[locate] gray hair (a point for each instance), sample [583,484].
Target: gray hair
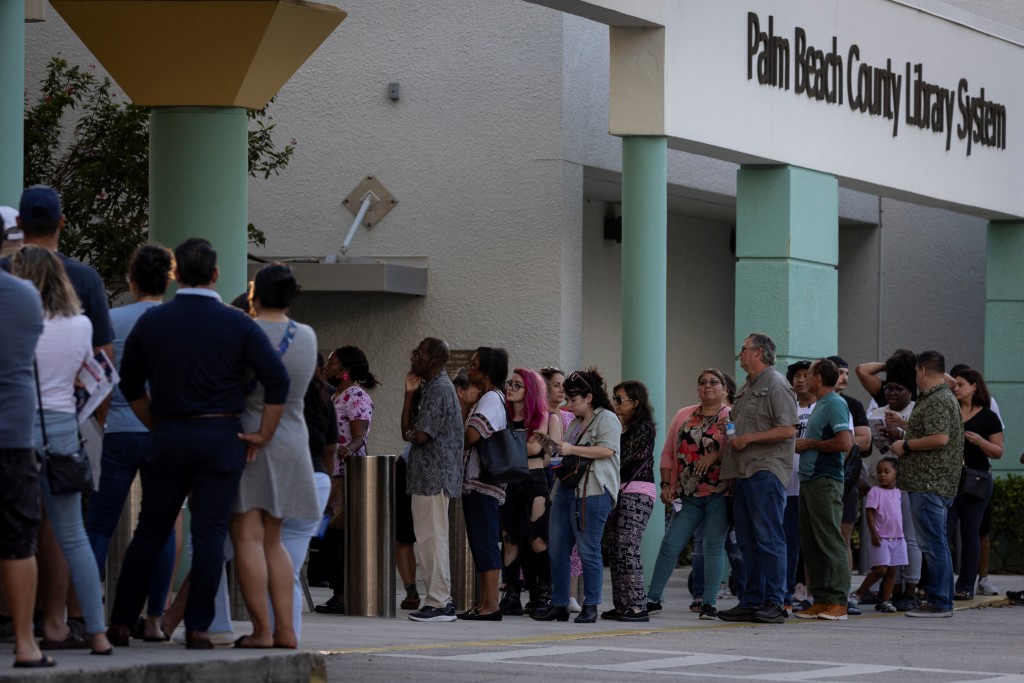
[760,340]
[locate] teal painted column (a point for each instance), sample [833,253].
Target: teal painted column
[12,101]
[199,184]
[644,283]
[787,249]
[1004,330]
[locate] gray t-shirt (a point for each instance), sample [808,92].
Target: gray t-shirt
[437,465]
[22,312]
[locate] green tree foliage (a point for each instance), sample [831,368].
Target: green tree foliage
[1007,534]
[94,150]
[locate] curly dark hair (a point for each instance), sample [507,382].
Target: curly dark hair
[589,381]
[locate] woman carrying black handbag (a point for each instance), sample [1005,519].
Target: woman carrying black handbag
[66,343]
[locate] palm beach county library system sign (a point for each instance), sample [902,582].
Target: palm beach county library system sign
[910,99]
[871,88]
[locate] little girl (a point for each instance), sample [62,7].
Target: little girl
[888,549]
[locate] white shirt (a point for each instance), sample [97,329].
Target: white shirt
[64,345]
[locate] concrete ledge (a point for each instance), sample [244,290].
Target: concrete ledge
[167,663]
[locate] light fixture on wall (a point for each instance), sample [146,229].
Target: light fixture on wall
[370,201]
[613,223]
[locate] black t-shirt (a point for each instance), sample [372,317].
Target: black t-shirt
[986,423]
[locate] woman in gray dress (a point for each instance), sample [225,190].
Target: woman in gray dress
[279,482]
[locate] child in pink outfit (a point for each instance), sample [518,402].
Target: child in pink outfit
[888,549]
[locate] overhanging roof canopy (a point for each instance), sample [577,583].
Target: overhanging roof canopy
[230,53]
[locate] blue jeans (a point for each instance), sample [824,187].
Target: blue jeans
[706,510]
[296,535]
[732,554]
[758,511]
[930,511]
[123,455]
[565,532]
[65,513]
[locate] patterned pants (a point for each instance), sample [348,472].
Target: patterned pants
[624,535]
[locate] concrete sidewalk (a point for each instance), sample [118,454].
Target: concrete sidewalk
[323,635]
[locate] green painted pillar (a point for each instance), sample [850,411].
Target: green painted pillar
[787,249]
[1004,329]
[12,101]
[199,184]
[644,282]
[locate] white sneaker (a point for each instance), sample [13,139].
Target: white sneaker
[574,606]
[723,592]
[985,587]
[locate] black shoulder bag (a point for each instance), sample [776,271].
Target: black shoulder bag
[503,456]
[65,472]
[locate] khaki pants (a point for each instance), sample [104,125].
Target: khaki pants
[430,521]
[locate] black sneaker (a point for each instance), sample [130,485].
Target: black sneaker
[511,605]
[334,605]
[428,613]
[655,607]
[708,612]
[1015,597]
[738,613]
[612,614]
[634,615]
[770,614]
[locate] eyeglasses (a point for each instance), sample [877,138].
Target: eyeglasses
[513,385]
[617,400]
[709,383]
[744,348]
[894,388]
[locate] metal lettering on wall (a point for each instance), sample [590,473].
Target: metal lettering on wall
[872,89]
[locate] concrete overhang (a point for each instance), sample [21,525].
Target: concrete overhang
[391,275]
[217,53]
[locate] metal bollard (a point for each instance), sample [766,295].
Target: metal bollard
[463,571]
[370,536]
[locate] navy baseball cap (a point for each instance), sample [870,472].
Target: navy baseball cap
[40,206]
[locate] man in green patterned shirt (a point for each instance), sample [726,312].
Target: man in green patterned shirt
[931,458]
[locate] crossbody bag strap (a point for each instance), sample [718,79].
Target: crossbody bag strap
[39,397]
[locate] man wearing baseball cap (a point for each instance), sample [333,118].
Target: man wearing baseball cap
[41,221]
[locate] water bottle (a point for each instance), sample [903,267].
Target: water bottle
[730,429]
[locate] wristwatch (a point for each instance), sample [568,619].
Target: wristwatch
[665,484]
[906,445]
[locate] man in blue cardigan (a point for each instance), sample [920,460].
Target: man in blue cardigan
[196,355]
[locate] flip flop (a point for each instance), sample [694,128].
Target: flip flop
[108,651]
[72,642]
[238,644]
[40,663]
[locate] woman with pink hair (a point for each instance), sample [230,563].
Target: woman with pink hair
[524,517]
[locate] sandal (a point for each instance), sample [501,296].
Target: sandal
[963,595]
[42,662]
[696,605]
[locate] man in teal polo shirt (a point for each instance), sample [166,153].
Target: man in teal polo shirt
[829,436]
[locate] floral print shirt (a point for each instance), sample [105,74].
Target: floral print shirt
[352,404]
[693,436]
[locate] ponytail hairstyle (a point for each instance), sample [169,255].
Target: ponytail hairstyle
[354,360]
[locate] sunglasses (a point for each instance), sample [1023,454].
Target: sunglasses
[577,378]
[709,383]
[617,400]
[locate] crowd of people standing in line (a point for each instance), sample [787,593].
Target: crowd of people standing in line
[247,425]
